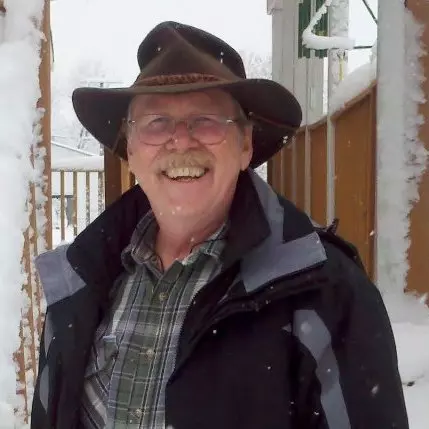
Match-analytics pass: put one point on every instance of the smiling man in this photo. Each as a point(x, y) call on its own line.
point(201, 299)
point(188, 168)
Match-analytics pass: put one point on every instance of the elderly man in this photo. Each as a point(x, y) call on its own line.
point(201, 299)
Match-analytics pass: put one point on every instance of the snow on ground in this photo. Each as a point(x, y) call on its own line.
point(410, 321)
point(68, 236)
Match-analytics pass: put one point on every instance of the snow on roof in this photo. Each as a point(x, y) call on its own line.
point(79, 163)
point(71, 148)
point(353, 84)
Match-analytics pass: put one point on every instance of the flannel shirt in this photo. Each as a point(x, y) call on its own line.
point(134, 350)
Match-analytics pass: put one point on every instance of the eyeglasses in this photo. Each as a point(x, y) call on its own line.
point(156, 130)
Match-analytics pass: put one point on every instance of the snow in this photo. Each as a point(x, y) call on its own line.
point(413, 366)
point(56, 236)
point(353, 84)
point(416, 398)
point(401, 162)
point(79, 163)
point(398, 180)
point(401, 156)
point(312, 41)
point(410, 322)
point(19, 89)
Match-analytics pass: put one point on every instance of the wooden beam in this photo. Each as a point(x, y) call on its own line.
point(118, 178)
point(418, 274)
point(45, 103)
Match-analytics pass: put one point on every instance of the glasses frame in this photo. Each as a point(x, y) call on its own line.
point(225, 120)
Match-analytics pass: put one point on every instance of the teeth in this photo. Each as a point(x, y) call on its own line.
point(174, 173)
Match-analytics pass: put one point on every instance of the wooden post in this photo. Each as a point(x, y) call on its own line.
point(118, 178)
point(45, 103)
point(418, 274)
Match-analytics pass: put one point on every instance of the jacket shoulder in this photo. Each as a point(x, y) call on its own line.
point(331, 240)
point(57, 276)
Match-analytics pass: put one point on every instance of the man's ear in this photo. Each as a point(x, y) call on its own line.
point(129, 149)
point(247, 152)
point(126, 136)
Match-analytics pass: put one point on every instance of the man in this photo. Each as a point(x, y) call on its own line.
point(201, 299)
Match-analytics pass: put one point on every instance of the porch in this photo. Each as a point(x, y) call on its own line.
point(329, 170)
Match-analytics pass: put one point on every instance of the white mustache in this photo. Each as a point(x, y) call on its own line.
point(189, 159)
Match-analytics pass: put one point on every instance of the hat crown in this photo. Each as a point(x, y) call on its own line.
point(177, 49)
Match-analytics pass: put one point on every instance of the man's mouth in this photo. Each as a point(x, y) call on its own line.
point(185, 173)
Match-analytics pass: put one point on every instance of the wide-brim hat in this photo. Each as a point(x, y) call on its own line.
point(176, 58)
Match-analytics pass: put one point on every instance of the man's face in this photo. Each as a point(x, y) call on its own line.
point(184, 175)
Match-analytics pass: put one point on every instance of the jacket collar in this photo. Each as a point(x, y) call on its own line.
point(292, 246)
point(259, 221)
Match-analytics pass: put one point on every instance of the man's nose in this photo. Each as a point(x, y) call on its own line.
point(182, 138)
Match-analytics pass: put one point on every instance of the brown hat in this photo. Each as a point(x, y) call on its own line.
point(176, 58)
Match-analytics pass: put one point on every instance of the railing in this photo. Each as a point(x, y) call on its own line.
point(77, 197)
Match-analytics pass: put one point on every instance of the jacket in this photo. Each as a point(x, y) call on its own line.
point(291, 334)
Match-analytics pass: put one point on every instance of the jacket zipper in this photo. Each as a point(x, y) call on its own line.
point(245, 308)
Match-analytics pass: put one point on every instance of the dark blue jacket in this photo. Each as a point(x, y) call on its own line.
point(291, 334)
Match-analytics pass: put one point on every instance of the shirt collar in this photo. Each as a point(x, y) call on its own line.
point(141, 250)
point(213, 246)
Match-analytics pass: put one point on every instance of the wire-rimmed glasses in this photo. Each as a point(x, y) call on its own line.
point(156, 130)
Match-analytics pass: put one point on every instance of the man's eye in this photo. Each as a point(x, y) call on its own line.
point(158, 123)
point(204, 121)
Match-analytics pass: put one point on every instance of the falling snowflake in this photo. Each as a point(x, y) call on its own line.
point(375, 389)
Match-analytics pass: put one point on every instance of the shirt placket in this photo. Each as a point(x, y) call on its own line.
point(127, 359)
point(148, 373)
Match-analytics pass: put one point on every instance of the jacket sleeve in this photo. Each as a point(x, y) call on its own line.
point(354, 381)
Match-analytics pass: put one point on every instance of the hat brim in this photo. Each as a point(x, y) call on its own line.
point(274, 110)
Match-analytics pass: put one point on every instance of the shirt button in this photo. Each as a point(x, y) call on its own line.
point(162, 296)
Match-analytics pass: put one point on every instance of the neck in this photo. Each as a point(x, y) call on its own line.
point(176, 240)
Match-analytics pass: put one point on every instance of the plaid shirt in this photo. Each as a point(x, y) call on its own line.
point(135, 346)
